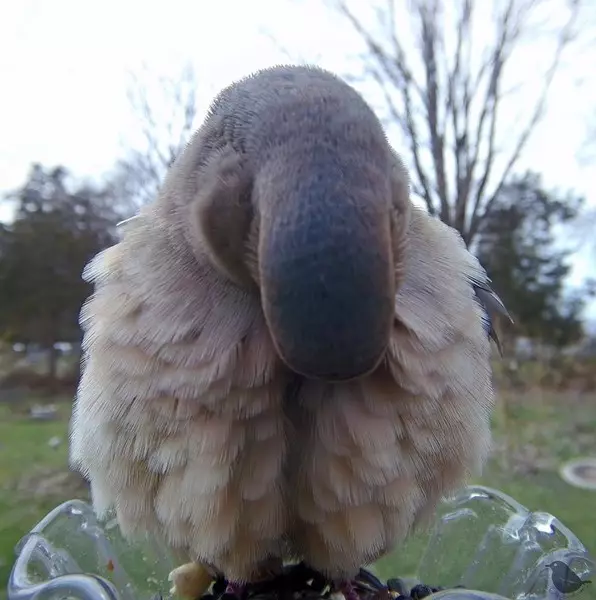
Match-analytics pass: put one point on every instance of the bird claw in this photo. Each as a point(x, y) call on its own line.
point(235, 589)
point(346, 589)
point(190, 580)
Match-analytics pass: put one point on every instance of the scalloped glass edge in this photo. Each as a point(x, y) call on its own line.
point(480, 538)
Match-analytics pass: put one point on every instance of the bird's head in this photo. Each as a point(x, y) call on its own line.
point(319, 238)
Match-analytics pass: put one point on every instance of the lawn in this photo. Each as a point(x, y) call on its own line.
point(533, 432)
point(25, 456)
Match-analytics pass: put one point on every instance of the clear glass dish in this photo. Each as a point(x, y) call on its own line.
point(481, 539)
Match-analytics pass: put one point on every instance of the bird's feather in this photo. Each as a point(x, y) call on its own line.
point(178, 421)
point(187, 420)
point(378, 454)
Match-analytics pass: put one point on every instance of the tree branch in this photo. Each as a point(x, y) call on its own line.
point(454, 97)
point(430, 38)
point(562, 42)
point(397, 74)
point(165, 126)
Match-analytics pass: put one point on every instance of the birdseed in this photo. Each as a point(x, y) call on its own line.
point(299, 582)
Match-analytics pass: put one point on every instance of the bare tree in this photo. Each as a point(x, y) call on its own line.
point(444, 90)
point(165, 111)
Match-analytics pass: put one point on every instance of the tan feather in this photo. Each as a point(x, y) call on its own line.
point(187, 420)
point(178, 420)
point(381, 452)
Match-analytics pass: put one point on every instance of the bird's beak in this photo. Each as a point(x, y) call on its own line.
point(327, 280)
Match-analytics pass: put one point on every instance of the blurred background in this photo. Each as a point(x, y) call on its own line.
point(491, 103)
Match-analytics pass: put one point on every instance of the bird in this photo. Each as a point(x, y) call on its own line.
point(284, 358)
point(564, 579)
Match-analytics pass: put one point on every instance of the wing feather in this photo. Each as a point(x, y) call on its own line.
point(178, 418)
point(378, 454)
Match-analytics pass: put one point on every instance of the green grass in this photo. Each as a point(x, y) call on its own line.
point(24, 453)
point(534, 432)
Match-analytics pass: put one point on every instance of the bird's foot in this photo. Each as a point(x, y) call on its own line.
point(269, 569)
point(347, 590)
point(190, 580)
point(235, 589)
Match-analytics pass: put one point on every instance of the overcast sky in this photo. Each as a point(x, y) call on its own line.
point(64, 66)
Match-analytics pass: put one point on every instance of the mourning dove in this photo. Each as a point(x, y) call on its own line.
point(284, 358)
